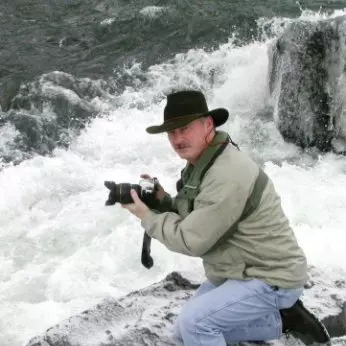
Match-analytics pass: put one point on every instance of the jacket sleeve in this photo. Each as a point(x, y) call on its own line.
point(217, 207)
point(166, 204)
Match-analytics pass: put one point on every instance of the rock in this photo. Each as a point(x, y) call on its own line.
point(8, 90)
point(307, 82)
point(45, 113)
point(141, 318)
point(146, 317)
point(336, 325)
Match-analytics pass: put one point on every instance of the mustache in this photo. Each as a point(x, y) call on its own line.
point(181, 146)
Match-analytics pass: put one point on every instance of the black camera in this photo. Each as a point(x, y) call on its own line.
point(146, 190)
point(120, 193)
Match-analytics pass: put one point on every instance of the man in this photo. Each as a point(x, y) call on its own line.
point(228, 213)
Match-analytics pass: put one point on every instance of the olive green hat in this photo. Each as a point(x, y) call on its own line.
point(185, 106)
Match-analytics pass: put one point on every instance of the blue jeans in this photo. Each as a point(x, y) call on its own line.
point(232, 312)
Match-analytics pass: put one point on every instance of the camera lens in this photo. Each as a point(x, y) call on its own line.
point(123, 192)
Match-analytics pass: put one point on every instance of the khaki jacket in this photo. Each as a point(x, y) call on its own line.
point(263, 246)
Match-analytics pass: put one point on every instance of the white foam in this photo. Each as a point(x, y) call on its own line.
point(62, 250)
point(153, 11)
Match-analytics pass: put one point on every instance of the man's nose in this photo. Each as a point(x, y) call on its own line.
point(176, 137)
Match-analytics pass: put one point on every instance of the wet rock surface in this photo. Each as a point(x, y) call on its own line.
point(146, 316)
point(307, 82)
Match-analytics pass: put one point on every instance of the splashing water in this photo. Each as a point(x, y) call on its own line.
point(62, 250)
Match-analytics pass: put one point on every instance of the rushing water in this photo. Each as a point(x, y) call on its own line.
point(110, 64)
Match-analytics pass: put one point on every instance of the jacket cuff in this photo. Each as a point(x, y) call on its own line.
point(166, 202)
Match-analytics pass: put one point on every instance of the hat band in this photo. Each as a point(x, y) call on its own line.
point(183, 117)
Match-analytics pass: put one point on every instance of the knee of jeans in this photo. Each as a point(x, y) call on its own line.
point(187, 320)
point(286, 298)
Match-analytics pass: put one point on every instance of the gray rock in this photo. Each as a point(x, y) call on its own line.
point(46, 113)
point(9, 88)
point(307, 82)
point(141, 318)
point(146, 317)
point(336, 325)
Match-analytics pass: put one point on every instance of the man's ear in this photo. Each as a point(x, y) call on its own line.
point(210, 122)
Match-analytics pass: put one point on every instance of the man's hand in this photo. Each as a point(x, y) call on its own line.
point(137, 208)
point(160, 193)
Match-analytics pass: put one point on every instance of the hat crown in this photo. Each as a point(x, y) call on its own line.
point(183, 103)
point(185, 106)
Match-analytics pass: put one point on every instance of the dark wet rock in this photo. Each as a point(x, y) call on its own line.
point(47, 112)
point(336, 325)
point(9, 88)
point(308, 82)
point(146, 317)
point(136, 319)
point(309, 284)
point(340, 283)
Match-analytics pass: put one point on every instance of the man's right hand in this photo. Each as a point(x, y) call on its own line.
point(160, 193)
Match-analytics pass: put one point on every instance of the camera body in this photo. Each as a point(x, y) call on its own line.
point(120, 193)
point(146, 191)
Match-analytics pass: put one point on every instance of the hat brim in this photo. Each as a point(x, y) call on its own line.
point(219, 115)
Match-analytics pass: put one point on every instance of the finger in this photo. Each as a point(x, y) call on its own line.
point(130, 207)
point(134, 196)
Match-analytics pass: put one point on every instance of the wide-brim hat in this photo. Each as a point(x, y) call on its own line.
point(185, 106)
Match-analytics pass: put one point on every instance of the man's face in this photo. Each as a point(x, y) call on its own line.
point(190, 141)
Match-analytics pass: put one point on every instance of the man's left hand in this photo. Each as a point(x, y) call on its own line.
point(137, 208)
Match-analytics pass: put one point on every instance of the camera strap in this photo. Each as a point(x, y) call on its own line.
point(251, 205)
point(191, 179)
point(192, 176)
